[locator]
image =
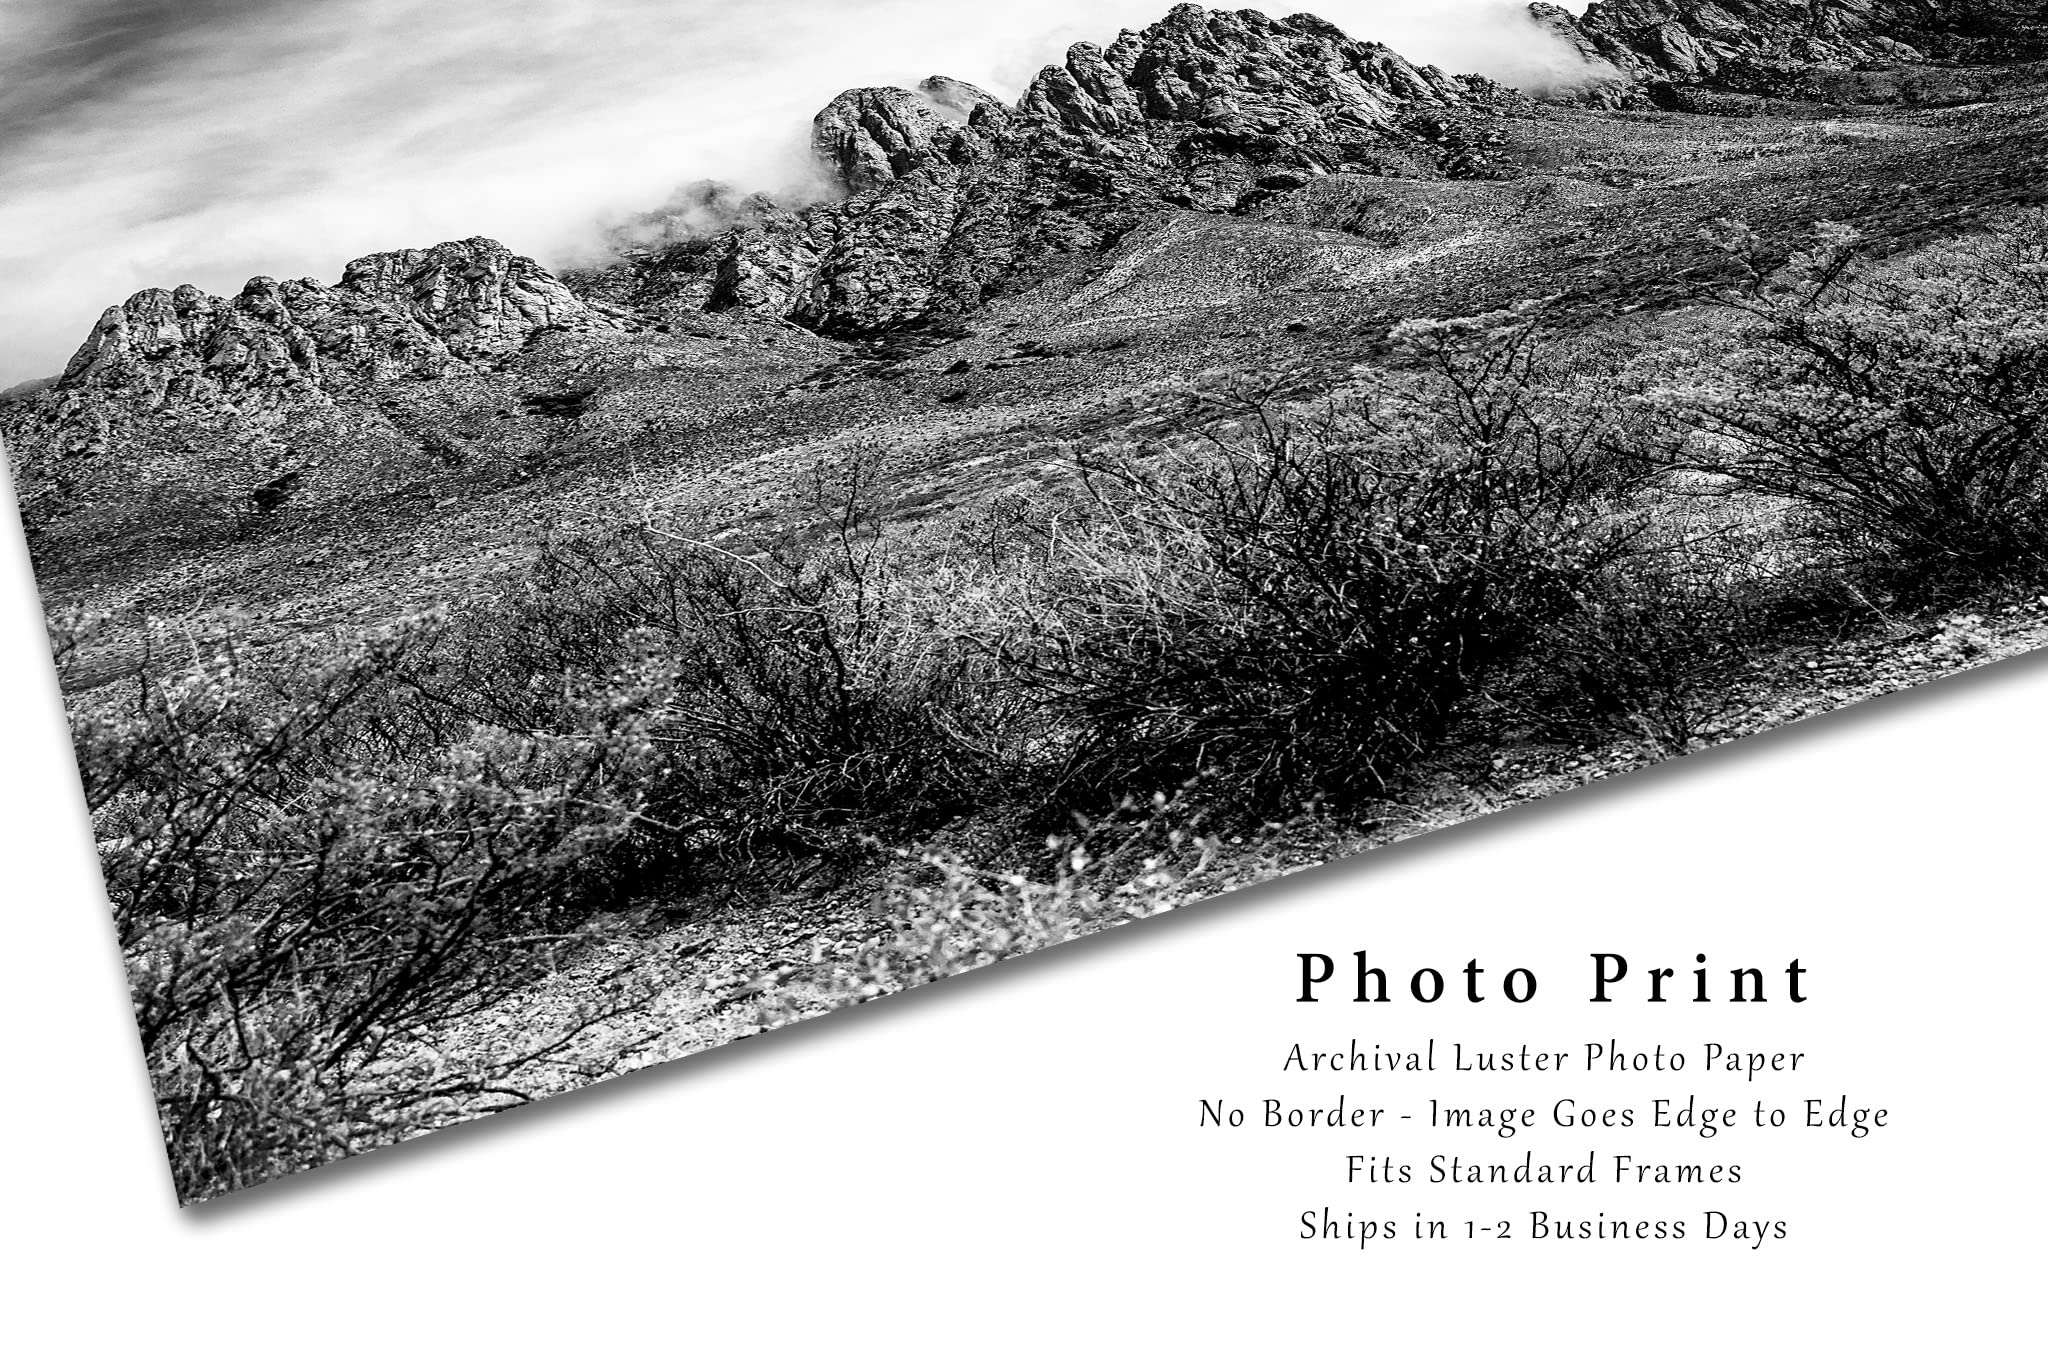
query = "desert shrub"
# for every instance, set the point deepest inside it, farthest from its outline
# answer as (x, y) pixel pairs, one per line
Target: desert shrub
(306, 861)
(1302, 600)
(1900, 407)
(1655, 639)
(803, 691)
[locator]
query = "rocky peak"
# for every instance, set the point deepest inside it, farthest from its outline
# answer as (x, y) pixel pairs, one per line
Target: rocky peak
(279, 348)
(1559, 23)
(460, 301)
(1298, 80)
(156, 345)
(475, 296)
(957, 101)
(1750, 44)
(949, 193)
(1243, 72)
(872, 137)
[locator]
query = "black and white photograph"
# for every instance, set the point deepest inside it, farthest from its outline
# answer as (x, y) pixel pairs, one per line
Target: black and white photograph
(574, 533)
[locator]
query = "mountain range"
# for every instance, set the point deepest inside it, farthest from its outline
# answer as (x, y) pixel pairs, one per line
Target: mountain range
(1218, 189)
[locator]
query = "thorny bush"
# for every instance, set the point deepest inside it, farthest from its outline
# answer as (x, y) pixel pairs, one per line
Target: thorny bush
(1901, 407)
(305, 863)
(1302, 599)
(804, 693)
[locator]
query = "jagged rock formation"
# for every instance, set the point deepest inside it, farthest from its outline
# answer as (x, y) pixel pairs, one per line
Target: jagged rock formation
(179, 387)
(873, 138)
(276, 347)
(403, 314)
(1767, 46)
(952, 195)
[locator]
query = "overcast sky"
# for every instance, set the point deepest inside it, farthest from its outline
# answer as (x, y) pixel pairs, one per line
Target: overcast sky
(156, 142)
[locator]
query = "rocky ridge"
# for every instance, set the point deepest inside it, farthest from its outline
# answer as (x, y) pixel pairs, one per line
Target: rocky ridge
(433, 314)
(246, 364)
(952, 195)
(1777, 47)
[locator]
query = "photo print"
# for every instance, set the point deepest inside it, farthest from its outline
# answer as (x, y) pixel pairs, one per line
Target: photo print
(1008, 505)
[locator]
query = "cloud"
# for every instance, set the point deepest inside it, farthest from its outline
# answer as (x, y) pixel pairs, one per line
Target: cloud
(156, 142)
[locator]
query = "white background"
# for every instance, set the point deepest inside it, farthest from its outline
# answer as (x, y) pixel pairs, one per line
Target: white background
(1009, 1166)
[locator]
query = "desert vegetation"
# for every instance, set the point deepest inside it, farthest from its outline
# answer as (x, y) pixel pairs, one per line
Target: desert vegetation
(1046, 714)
